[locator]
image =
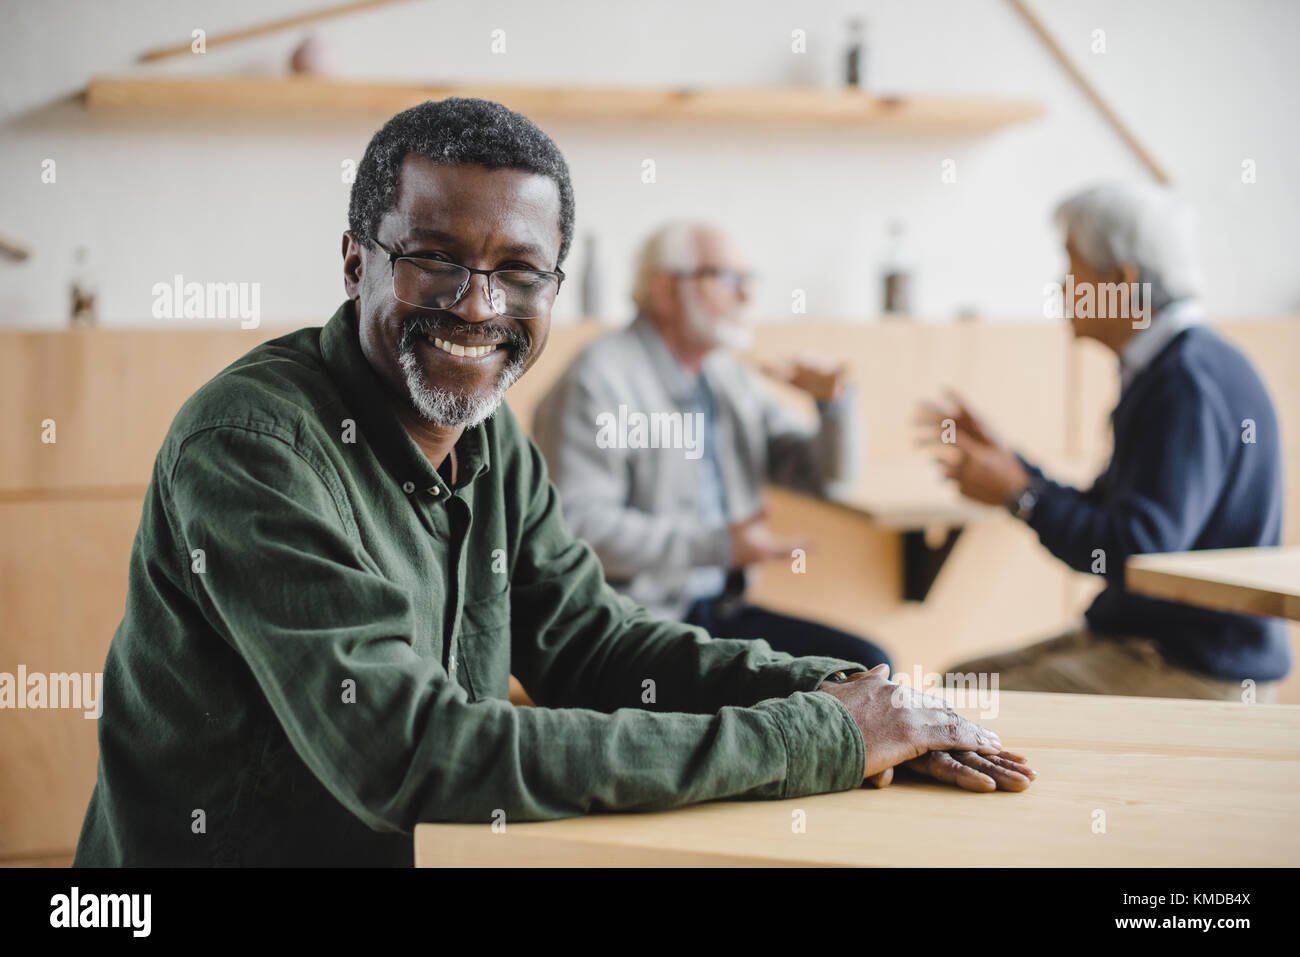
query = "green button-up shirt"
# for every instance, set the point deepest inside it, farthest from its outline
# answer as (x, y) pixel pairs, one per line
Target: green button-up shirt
(319, 634)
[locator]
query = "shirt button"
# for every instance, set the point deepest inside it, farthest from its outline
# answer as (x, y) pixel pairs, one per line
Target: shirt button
(435, 490)
(452, 665)
(408, 487)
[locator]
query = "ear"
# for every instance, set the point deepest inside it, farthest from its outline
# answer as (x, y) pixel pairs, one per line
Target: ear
(352, 266)
(663, 294)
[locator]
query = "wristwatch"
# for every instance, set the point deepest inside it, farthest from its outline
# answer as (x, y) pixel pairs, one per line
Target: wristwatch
(1021, 504)
(837, 676)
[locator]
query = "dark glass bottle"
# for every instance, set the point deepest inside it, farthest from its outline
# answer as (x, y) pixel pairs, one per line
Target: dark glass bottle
(591, 281)
(897, 277)
(855, 61)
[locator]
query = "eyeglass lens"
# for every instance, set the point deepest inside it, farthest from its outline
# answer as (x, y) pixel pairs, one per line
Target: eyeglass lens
(515, 293)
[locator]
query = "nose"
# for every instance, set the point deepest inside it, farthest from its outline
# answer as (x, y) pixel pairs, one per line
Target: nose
(474, 305)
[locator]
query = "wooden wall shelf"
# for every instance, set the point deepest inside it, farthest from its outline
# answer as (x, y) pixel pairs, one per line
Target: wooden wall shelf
(305, 95)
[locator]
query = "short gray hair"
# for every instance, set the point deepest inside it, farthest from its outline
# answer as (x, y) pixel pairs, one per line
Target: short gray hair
(673, 246)
(1146, 225)
(456, 131)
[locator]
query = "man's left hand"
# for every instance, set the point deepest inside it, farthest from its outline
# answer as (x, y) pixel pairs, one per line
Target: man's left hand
(822, 379)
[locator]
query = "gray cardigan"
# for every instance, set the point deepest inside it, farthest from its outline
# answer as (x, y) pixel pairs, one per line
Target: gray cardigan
(638, 507)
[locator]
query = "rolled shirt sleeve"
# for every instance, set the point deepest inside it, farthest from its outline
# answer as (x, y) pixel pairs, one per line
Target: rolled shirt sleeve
(818, 460)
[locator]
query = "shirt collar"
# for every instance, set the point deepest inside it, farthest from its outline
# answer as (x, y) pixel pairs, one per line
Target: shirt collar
(682, 384)
(368, 398)
(1146, 344)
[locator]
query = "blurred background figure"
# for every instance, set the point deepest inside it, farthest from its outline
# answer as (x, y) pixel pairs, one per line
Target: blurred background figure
(1196, 464)
(677, 527)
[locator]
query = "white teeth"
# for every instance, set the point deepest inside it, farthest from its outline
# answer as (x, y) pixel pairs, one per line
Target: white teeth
(456, 349)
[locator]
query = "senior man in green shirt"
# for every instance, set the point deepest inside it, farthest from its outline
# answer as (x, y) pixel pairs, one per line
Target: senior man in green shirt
(348, 545)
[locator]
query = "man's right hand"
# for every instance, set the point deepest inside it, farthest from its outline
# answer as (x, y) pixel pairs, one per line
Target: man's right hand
(901, 726)
(969, 426)
(753, 542)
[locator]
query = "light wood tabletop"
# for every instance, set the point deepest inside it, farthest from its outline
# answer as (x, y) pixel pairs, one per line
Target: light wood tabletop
(913, 498)
(1252, 581)
(1121, 782)
(911, 494)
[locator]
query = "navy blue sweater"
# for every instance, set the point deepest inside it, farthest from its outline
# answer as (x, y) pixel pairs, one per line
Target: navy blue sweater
(1183, 476)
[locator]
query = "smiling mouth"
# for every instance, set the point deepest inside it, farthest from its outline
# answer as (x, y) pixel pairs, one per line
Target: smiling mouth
(461, 350)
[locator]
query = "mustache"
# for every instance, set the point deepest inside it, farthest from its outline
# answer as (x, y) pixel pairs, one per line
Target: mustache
(446, 327)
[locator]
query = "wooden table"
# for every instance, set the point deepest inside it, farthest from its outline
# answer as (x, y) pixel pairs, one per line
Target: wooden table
(1176, 782)
(1253, 581)
(915, 498)
(912, 494)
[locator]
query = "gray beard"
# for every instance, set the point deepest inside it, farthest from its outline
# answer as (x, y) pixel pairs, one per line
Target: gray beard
(721, 332)
(453, 409)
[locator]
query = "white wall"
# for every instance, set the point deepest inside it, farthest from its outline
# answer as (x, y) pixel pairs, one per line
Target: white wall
(1207, 84)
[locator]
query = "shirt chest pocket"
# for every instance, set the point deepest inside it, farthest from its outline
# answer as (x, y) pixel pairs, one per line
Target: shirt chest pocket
(486, 613)
(485, 644)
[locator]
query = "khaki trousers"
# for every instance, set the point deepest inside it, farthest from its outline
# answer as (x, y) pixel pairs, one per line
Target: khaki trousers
(1082, 662)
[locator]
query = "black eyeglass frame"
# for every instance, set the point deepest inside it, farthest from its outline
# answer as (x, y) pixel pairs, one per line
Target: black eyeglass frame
(736, 278)
(393, 259)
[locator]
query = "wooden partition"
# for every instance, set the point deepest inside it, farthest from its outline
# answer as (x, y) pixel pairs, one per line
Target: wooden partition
(69, 509)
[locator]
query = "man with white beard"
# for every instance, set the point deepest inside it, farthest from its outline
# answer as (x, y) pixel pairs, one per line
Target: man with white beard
(676, 530)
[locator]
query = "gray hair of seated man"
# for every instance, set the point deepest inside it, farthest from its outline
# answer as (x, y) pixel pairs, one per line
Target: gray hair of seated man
(1143, 224)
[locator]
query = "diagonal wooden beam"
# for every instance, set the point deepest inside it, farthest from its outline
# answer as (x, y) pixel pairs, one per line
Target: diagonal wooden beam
(12, 249)
(1090, 91)
(273, 26)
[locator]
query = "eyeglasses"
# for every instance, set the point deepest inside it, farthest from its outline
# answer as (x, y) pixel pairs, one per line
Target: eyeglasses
(738, 280)
(437, 284)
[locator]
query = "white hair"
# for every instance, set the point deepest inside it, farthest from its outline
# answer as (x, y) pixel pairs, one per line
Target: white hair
(1146, 225)
(674, 246)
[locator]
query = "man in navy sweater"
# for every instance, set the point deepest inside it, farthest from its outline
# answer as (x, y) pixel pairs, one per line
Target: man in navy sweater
(1196, 464)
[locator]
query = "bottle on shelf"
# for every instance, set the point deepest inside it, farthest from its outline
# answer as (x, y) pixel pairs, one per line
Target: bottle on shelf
(82, 291)
(591, 280)
(855, 59)
(897, 275)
